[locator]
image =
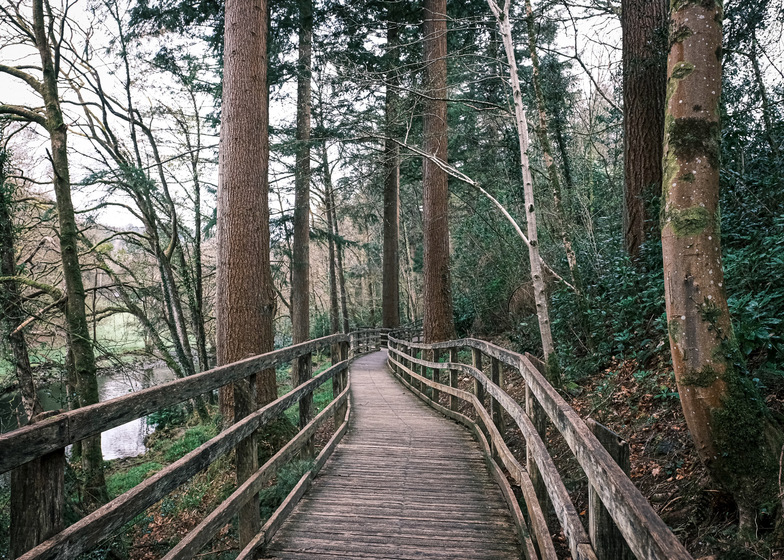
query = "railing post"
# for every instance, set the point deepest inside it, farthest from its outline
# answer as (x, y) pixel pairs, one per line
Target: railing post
(454, 402)
(497, 377)
(608, 543)
(247, 458)
(538, 418)
(435, 355)
(476, 361)
(37, 498)
(337, 388)
(304, 369)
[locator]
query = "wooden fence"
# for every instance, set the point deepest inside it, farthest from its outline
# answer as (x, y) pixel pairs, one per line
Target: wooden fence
(622, 523)
(37, 528)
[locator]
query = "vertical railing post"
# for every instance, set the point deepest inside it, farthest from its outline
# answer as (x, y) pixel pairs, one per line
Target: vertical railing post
(304, 373)
(538, 418)
(607, 540)
(247, 458)
(454, 402)
(497, 377)
(476, 361)
(435, 356)
(337, 388)
(37, 498)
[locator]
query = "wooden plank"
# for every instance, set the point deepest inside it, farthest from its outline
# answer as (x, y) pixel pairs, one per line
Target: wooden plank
(454, 401)
(89, 531)
(190, 545)
(538, 521)
(648, 536)
(34, 440)
(37, 498)
(279, 516)
(564, 508)
(607, 540)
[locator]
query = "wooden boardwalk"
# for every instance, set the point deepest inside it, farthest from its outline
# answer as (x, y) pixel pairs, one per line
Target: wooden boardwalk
(403, 483)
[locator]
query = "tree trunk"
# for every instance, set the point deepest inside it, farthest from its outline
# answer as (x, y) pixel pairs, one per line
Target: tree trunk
(334, 310)
(300, 255)
(78, 331)
(537, 278)
(341, 275)
(439, 322)
(11, 300)
(767, 113)
(644, 27)
(731, 426)
(549, 161)
(390, 279)
(245, 303)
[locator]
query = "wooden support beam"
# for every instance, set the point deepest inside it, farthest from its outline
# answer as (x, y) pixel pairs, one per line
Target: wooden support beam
(37, 498)
(607, 540)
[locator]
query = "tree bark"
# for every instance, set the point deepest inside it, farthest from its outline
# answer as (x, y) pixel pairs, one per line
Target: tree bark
(537, 278)
(300, 255)
(11, 301)
(644, 28)
(341, 275)
(549, 161)
(334, 310)
(78, 331)
(731, 426)
(390, 280)
(438, 320)
(245, 306)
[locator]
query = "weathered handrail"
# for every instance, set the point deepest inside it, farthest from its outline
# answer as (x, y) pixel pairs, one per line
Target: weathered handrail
(34, 440)
(52, 434)
(646, 534)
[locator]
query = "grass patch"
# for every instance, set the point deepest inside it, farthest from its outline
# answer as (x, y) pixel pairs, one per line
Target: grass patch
(121, 482)
(191, 439)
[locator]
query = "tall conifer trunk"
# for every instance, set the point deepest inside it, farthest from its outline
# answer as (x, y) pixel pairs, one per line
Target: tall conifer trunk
(300, 258)
(390, 280)
(731, 426)
(245, 304)
(438, 320)
(644, 28)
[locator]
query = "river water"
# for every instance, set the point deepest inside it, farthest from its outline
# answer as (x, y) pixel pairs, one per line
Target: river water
(123, 441)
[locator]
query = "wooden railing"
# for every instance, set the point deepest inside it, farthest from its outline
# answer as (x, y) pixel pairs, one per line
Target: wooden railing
(622, 523)
(40, 445)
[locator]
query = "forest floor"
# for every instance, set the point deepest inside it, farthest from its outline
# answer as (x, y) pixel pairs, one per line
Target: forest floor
(643, 407)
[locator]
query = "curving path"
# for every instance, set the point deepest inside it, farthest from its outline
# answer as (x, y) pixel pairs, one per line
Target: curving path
(404, 483)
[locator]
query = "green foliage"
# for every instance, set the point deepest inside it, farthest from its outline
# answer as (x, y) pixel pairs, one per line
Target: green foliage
(287, 479)
(191, 439)
(121, 482)
(168, 417)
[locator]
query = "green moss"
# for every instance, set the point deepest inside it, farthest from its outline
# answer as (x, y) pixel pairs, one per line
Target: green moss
(706, 377)
(681, 70)
(689, 138)
(688, 177)
(710, 312)
(674, 328)
(676, 5)
(552, 370)
(680, 34)
(747, 442)
(688, 221)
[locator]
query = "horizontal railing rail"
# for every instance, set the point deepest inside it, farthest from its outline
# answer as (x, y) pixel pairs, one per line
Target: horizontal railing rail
(47, 438)
(646, 535)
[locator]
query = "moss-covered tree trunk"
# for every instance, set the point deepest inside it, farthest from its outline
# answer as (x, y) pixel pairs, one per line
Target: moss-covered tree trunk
(11, 310)
(730, 424)
(78, 332)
